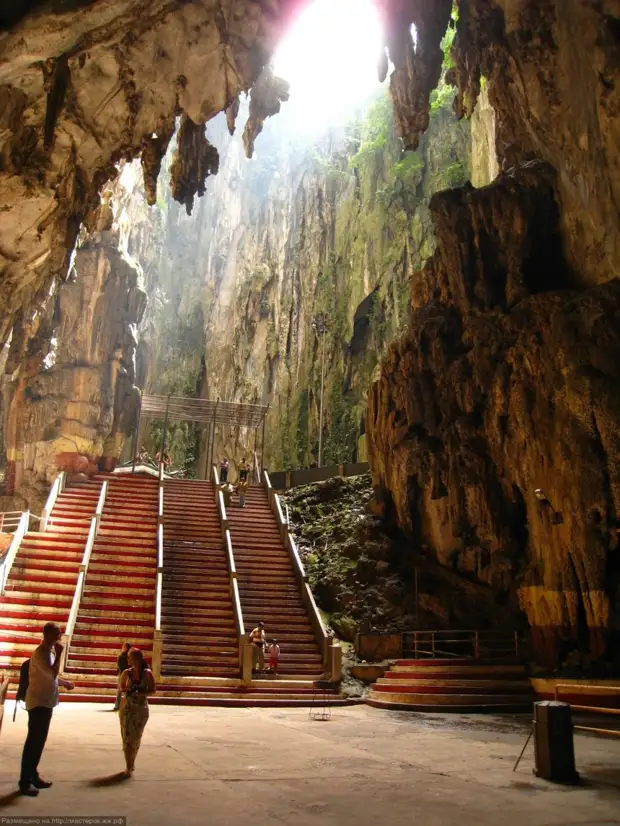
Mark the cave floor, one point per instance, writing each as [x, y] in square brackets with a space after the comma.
[274, 766]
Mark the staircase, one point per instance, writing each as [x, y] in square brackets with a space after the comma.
[200, 660]
[198, 625]
[43, 577]
[456, 685]
[268, 588]
[119, 591]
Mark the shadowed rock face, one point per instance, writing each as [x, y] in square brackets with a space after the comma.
[507, 380]
[75, 399]
[505, 384]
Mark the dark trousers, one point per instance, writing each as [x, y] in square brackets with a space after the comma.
[39, 720]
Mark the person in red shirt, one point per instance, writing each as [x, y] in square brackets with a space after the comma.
[274, 656]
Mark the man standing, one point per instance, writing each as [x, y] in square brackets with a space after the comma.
[257, 638]
[41, 699]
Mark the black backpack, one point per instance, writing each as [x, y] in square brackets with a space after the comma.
[22, 688]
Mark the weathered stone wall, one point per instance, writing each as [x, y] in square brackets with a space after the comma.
[73, 398]
[504, 384]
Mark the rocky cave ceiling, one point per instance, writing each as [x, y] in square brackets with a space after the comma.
[84, 84]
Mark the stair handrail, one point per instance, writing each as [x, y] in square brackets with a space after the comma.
[160, 504]
[222, 509]
[57, 488]
[230, 557]
[9, 559]
[322, 637]
[79, 588]
[160, 575]
[232, 568]
[101, 503]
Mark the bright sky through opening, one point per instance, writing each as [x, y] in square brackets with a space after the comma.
[330, 59]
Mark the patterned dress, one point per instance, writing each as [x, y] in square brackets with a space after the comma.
[134, 712]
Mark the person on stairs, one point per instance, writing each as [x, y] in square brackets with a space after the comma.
[41, 699]
[224, 470]
[257, 638]
[122, 664]
[274, 656]
[137, 682]
[244, 470]
[227, 492]
[242, 489]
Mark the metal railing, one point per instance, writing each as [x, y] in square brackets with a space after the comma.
[232, 568]
[159, 576]
[79, 588]
[9, 521]
[580, 688]
[318, 627]
[9, 559]
[449, 643]
[93, 530]
[57, 489]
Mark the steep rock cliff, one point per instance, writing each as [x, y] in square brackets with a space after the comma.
[504, 384]
[506, 381]
[73, 400]
[335, 226]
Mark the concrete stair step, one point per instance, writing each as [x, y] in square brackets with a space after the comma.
[104, 614]
[104, 602]
[29, 599]
[34, 617]
[29, 587]
[129, 581]
[72, 556]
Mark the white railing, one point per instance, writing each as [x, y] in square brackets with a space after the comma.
[160, 575]
[101, 503]
[232, 568]
[9, 521]
[7, 563]
[79, 588]
[320, 633]
[158, 644]
[57, 489]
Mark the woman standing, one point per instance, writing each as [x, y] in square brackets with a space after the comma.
[122, 664]
[137, 682]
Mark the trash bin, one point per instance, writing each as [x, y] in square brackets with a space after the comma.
[553, 742]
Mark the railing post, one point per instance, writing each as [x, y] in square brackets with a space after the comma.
[246, 662]
[335, 668]
[101, 504]
[157, 653]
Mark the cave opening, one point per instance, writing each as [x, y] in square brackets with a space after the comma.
[334, 216]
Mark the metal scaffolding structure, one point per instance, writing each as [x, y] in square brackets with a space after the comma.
[204, 412]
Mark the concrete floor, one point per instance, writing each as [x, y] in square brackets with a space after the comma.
[272, 766]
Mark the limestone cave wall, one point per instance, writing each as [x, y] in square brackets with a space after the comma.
[333, 225]
[506, 381]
